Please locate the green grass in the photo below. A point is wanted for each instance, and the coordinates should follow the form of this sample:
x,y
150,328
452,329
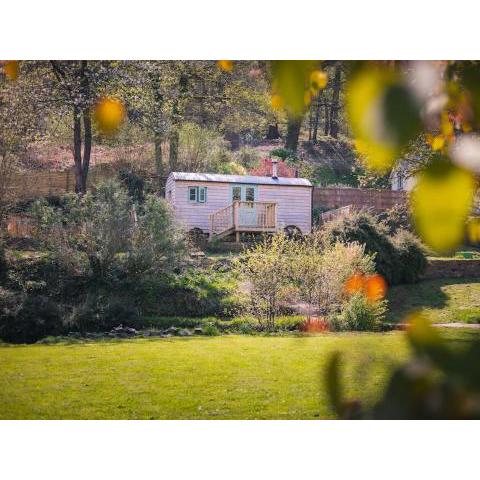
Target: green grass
x,y
444,300
228,377
235,377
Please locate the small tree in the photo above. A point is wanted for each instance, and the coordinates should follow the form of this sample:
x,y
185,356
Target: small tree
x,y
266,268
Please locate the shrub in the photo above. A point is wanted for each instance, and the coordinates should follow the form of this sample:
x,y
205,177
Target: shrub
x,y
103,312
319,272
195,293
25,319
265,266
359,314
283,154
365,229
210,330
413,260
133,182
3,263
397,218
104,232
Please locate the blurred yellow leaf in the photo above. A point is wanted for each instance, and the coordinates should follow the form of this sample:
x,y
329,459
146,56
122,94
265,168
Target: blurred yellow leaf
x,y
11,69
307,98
420,331
438,142
318,80
473,231
441,202
446,125
383,113
225,65
290,78
277,102
109,114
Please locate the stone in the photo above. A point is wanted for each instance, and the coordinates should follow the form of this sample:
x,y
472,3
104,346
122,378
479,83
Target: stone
x,y
198,331
171,330
184,333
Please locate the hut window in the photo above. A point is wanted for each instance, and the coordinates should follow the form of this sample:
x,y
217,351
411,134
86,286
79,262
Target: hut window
x,y
250,194
197,194
236,193
192,194
202,194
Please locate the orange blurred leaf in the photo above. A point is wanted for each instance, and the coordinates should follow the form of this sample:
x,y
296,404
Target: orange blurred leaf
x,y
11,69
225,65
109,114
375,288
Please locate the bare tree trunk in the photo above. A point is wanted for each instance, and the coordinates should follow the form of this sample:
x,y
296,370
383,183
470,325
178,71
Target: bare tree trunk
x,y
87,128
326,127
159,154
335,101
272,132
293,132
77,148
87,147
317,118
173,150
310,121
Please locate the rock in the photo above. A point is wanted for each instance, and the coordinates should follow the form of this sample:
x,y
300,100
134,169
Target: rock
x,y
185,333
123,332
171,331
197,254
198,331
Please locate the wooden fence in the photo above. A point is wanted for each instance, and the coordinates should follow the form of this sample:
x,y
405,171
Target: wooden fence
x,y
376,200
42,183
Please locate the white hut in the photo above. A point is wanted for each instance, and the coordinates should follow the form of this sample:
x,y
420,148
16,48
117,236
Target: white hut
x,y
221,205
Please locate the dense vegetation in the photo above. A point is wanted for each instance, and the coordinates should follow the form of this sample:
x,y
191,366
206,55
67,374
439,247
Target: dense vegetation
x,y
103,261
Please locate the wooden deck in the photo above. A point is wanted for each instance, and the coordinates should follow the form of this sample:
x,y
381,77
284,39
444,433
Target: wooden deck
x,y
243,216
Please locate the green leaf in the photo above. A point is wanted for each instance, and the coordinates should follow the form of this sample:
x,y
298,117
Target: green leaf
x,y
290,77
441,202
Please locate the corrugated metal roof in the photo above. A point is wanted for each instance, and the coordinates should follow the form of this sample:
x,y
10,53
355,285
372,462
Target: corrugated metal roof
x,y
216,177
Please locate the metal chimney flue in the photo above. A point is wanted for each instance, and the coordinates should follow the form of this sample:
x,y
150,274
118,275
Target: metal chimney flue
x,y
274,168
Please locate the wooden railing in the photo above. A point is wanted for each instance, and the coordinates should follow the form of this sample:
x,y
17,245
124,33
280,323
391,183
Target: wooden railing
x,y
244,216
258,215
337,212
221,220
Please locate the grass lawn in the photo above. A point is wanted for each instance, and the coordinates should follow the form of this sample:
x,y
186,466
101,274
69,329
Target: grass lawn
x,y
444,300
233,376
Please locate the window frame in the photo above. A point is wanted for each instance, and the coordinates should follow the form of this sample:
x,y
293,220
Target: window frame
x,y
200,194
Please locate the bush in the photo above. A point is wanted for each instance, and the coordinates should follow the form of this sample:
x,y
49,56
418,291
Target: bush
x,y
3,263
210,330
195,293
412,256
266,267
365,229
103,232
359,314
397,218
103,312
25,319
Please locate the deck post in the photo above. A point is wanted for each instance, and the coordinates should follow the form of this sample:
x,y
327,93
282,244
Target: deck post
x,y
235,215
235,222
276,216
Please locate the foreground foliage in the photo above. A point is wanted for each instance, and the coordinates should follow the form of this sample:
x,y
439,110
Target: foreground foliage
x,y
441,381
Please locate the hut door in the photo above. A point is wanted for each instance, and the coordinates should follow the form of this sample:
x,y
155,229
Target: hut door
x,y
247,215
